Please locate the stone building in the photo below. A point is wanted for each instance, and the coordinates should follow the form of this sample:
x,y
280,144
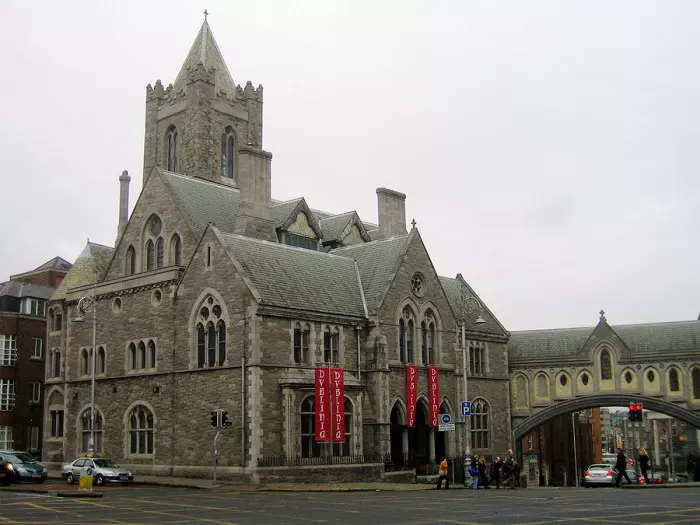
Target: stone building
x,y
218,296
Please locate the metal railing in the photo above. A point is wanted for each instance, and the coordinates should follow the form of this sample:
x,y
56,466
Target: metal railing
x,y
299,461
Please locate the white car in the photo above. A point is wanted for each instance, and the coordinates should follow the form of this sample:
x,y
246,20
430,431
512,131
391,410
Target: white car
x,y
103,471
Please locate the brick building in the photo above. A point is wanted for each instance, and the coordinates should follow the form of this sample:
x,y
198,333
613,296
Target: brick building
x,y
218,296
22,341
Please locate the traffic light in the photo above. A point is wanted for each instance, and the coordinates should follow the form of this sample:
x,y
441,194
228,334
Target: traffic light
x,y
215,418
634,412
224,419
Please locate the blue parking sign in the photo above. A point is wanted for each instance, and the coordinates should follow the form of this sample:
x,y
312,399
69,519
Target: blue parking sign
x,y
466,408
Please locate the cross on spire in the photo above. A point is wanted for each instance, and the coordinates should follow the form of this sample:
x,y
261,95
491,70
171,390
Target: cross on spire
x,y
413,224
602,315
205,15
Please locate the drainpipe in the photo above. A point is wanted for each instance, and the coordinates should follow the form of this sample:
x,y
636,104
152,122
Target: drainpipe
x,y
243,394
359,373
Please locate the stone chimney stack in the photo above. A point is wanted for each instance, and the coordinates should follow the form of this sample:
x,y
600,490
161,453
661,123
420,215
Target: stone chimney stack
x,y
392,212
253,177
124,181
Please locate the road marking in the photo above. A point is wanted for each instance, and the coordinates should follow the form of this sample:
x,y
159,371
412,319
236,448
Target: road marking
x,y
170,504
208,520
41,507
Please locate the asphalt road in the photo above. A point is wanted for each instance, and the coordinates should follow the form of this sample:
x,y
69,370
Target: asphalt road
x,y
163,505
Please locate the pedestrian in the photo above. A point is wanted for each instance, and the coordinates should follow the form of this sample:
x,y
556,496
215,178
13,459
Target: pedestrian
x,y
483,478
643,460
495,472
621,466
443,474
512,468
474,473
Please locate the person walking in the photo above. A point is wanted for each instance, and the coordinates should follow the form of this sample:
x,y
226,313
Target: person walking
x,y
443,474
474,473
644,464
621,466
495,472
483,477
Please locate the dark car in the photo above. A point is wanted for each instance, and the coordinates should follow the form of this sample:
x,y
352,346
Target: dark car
x,y
25,466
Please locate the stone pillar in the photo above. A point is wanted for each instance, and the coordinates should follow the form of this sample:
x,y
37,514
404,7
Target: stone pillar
x,y
124,181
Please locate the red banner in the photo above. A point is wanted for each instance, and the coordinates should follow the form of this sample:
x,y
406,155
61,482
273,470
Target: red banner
x,y
322,405
411,394
434,391
338,393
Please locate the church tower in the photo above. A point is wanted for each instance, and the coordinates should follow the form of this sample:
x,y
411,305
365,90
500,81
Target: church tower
x,y
204,125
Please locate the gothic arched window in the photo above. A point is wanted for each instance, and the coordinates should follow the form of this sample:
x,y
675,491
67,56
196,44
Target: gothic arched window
x,y
211,335
159,252
521,391
176,250
142,355
86,431
695,377
130,260
150,255
151,354
301,343
171,143
480,423
402,341
84,363
141,431
228,154
310,448
673,380
132,356
605,365
101,360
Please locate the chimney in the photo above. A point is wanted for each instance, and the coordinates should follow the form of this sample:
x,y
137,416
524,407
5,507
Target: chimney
x,y
392,212
124,181
253,177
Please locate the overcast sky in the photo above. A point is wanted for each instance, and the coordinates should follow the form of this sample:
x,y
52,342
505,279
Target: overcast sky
x,y
549,150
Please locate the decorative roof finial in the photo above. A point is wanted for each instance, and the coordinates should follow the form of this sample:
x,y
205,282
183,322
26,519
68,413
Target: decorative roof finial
x,y
205,15
413,224
602,316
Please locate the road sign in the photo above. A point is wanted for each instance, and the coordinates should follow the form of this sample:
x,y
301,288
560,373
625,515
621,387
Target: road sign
x,y
445,423
466,408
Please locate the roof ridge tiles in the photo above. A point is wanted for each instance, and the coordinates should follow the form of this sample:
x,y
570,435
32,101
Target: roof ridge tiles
x,y
282,245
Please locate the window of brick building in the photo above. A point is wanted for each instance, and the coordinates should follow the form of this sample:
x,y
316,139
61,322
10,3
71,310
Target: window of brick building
x,y
8,350
34,393
37,348
6,437
7,394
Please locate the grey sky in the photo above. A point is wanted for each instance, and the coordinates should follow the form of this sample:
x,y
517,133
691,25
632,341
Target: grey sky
x,y
548,150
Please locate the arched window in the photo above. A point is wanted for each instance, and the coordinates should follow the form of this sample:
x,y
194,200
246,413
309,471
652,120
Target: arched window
x,y
176,250
673,380
331,345
159,252
480,424
410,329
150,255
101,360
130,260
521,389
542,386
431,343
343,448
151,354
477,358
301,343
428,338
695,376
211,337
141,431
310,448
86,431
171,143
228,154
56,363
424,342
142,355
84,365
605,365
132,356
402,341
201,346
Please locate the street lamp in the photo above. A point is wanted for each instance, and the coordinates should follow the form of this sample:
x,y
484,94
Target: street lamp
x,y
88,305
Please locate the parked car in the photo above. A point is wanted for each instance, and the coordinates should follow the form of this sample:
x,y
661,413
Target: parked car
x,y
25,466
604,474
103,471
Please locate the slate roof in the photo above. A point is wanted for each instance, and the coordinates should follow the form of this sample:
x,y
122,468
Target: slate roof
x,y
205,51
281,211
466,310
203,201
25,289
378,262
90,267
57,263
644,340
299,279
333,226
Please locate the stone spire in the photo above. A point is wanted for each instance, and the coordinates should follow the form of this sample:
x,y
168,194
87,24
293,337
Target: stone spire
x,y
205,51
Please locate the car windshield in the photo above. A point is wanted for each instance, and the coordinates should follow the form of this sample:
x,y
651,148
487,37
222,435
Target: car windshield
x,y
105,463
21,457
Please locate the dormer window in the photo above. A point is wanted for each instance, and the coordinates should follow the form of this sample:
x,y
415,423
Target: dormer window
x,y
228,154
171,143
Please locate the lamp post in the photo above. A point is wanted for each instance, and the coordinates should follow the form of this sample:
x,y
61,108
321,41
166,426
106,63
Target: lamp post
x,y
88,305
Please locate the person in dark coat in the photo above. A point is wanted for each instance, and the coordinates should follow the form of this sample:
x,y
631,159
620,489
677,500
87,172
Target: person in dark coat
x,y
483,478
644,464
495,472
621,466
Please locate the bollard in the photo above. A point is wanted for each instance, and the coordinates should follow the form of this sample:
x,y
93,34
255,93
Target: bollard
x,y
86,479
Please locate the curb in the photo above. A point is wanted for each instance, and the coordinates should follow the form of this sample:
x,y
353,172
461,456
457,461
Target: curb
x,y
77,494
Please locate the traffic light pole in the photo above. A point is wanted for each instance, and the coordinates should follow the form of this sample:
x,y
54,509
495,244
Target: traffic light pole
x,y
216,454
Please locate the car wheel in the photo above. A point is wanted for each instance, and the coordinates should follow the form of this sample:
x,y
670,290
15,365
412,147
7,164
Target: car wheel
x,y
99,480
70,478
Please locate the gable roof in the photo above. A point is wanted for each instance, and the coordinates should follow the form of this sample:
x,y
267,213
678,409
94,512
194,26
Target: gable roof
x,y
203,201
57,263
21,289
284,214
646,341
298,279
335,227
205,51
459,295
90,267
378,262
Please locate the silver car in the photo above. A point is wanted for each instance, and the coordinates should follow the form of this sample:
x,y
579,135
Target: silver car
x,y
605,474
103,471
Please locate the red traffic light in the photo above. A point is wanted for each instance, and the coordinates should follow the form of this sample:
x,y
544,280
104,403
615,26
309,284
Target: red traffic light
x,y
638,406
631,407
